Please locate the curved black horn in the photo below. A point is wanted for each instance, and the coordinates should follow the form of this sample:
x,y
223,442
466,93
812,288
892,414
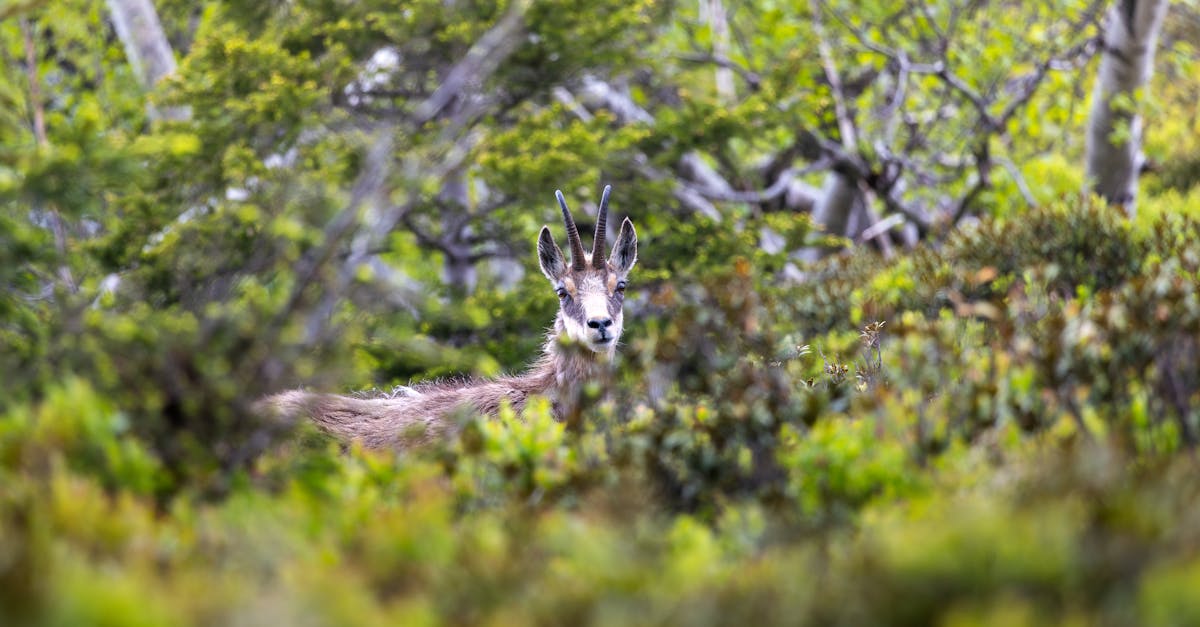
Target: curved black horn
x,y
601,229
577,254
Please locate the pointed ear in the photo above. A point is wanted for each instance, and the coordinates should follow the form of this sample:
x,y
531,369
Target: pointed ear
x,y
624,253
550,256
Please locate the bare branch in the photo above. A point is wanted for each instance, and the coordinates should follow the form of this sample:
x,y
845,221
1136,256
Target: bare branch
x,y
879,235
370,181
564,97
1019,179
873,46
753,79
693,166
983,165
686,195
975,98
600,94
1030,84
424,238
882,226
845,122
891,117
480,62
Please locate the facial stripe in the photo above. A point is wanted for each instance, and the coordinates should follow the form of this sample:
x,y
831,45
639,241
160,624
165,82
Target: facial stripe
x,y
595,305
591,295
573,310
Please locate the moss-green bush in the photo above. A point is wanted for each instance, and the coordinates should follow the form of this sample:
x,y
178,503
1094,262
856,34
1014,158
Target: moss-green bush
x,y
997,426
1020,451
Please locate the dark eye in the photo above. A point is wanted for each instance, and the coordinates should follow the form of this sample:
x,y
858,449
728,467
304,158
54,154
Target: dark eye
x,y
562,292
620,287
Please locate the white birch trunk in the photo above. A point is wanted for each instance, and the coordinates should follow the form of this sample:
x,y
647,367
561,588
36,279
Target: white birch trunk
x,y
713,12
1114,136
146,47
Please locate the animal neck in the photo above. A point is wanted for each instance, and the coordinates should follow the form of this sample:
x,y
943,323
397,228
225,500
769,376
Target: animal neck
x,y
572,363
565,367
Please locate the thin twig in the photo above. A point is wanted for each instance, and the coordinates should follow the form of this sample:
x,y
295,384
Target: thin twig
x,y
752,78
841,110
35,86
1019,179
369,183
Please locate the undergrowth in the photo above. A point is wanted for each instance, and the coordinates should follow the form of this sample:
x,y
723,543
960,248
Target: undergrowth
x,y
998,429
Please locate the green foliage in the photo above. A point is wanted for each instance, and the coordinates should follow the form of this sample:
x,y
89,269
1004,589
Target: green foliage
x,y
998,426
1171,144
1075,246
841,464
1010,455
75,428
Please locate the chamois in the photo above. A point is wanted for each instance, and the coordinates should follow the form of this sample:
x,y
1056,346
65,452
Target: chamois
x,y
583,340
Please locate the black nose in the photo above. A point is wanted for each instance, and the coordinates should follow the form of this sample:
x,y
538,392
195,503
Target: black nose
x,y
600,323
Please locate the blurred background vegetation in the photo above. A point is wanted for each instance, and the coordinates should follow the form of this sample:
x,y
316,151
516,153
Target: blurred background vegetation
x,y
887,359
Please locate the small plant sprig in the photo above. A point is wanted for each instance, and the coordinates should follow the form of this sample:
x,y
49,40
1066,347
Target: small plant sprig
x,y
870,367
835,372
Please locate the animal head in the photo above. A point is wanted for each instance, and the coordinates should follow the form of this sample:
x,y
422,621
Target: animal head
x,y
591,288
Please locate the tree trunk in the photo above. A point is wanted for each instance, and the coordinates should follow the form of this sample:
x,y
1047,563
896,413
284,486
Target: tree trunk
x,y
835,204
458,268
712,12
146,47
1114,136
833,208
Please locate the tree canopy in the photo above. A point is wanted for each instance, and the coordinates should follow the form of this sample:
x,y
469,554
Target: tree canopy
x,y
901,347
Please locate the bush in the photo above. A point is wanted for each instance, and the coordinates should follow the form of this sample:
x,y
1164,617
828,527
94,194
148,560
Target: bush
x,y
1004,446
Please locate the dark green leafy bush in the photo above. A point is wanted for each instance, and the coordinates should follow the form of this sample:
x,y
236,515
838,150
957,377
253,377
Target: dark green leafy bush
x,y
996,427
1002,454
1075,244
